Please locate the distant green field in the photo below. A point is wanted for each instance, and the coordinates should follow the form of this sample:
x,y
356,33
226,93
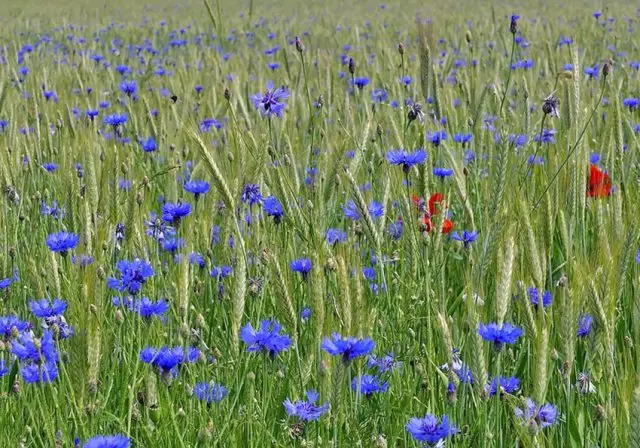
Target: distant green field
x,y
260,224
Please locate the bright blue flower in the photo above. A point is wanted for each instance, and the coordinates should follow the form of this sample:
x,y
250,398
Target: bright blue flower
x,y
116,120
466,238
507,385
268,338
208,123
395,229
536,417
348,348
302,265
535,160
271,102
376,210
406,159
306,410
175,212
115,441
336,236
220,272
436,137
518,140
379,95
210,392
272,207
369,385
172,244
585,325
442,172
305,314
11,326
385,364
592,72
145,307
133,274
534,296
548,136
167,359
45,308
129,88
62,242
149,145
631,103
27,348
430,430
39,373
507,334
251,194
50,167
5,283
361,82
369,273
53,211
462,138
196,187
594,158
406,80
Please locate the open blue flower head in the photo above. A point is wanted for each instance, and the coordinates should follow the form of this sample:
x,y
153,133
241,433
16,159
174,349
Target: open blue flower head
x,y
173,213
27,347
585,325
45,308
196,187
116,120
62,242
251,194
406,159
466,237
442,172
430,429
306,410
534,296
507,385
435,138
220,272
349,348
507,334
537,417
113,441
34,373
267,338
369,385
149,145
335,236
145,307
384,364
303,266
168,359
133,274
210,392
271,102
272,207
129,87
11,326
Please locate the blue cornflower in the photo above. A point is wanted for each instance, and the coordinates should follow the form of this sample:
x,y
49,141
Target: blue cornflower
x,y
11,326
336,236
3,368
129,88
385,364
507,385
167,359
305,314
535,417
133,274
379,95
369,273
268,338
145,307
158,229
271,102
196,187
53,211
435,138
395,229
519,140
431,430
5,283
466,238
631,103
464,373
348,348
116,120
172,244
548,136
376,210
251,194
534,296
62,242
198,88
27,348
369,385
272,207
592,72
406,80
149,145
306,411
406,159
92,113
220,272
535,160
33,373
122,69
50,167
302,265
175,212
115,441
507,334
594,158
196,259
208,123
361,82
210,392
462,138
351,210
442,172
45,308
585,325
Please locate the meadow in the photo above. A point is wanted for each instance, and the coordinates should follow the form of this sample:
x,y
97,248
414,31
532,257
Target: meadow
x,y
325,225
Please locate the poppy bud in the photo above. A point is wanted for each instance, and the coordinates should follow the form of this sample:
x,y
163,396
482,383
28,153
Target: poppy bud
x,y
401,48
606,69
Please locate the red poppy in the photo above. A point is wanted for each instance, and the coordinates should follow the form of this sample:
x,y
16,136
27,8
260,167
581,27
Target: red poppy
x,y
436,198
599,185
447,225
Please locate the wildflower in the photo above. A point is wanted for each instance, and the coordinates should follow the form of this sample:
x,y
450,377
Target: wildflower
x,y
585,325
172,244
210,392
145,307
167,359
466,238
268,338
599,183
547,136
508,385
349,348
306,410
53,210
28,348
196,259
513,24
436,137
369,384
149,145
11,326
631,103
305,314
133,274
431,430
50,167
271,102
518,140
196,187
395,229
115,441
385,364
360,82
208,123
547,298
62,242
303,266
175,212
406,159
462,138
251,194
550,106
220,272
116,120
536,417
33,373
507,334
336,236
129,88
592,72
379,95
535,160
272,207
44,308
